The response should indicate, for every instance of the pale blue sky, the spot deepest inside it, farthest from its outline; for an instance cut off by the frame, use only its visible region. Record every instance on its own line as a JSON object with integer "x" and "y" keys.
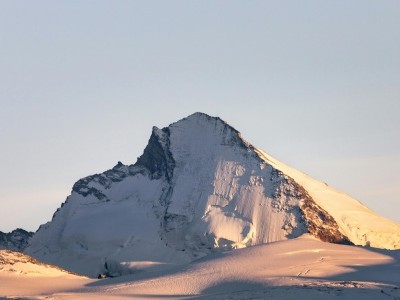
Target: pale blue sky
{"x": 314, "y": 83}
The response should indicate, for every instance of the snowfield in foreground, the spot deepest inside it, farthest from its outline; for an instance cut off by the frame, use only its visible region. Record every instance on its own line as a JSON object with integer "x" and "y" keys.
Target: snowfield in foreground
{"x": 301, "y": 268}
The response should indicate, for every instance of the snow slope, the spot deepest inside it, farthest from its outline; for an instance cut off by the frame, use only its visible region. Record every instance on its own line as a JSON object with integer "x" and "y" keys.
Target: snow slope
{"x": 356, "y": 221}
{"x": 198, "y": 188}
{"x": 24, "y": 276}
{"x": 300, "y": 268}
{"x": 22, "y": 264}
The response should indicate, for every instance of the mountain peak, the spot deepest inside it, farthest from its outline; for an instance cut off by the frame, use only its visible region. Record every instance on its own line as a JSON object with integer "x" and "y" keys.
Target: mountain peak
{"x": 203, "y": 128}
{"x": 200, "y": 119}
{"x": 196, "y": 134}
{"x": 201, "y": 116}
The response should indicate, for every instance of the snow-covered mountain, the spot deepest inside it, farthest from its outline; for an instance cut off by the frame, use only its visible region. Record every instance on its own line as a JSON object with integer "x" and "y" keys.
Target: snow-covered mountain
{"x": 199, "y": 187}
{"x": 16, "y": 240}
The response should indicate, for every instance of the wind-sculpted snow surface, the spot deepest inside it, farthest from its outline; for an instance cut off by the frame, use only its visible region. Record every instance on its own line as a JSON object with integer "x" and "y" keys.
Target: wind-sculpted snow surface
{"x": 198, "y": 188}
{"x": 299, "y": 269}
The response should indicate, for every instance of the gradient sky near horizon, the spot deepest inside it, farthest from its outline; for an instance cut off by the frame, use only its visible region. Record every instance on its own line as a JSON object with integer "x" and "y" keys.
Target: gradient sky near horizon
{"x": 314, "y": 83}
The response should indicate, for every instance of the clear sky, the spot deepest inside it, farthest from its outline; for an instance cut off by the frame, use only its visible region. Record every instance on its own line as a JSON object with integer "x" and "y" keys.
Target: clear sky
{"x": 314, "y": 83}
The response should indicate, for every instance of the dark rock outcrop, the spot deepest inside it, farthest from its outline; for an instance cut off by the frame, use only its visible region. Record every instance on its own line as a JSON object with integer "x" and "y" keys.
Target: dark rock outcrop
{"x": 16, "y": 240}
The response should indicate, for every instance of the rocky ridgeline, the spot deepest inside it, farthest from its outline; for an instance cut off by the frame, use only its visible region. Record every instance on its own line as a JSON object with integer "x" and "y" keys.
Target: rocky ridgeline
{"x": 16, "y": 240}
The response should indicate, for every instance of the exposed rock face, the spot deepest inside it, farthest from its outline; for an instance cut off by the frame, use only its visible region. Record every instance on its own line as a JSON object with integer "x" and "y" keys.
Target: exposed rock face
{"x": 157, "y": 158}
{"x": 16, "y": 240}
{"x": 317, "y": 221}
{"x": 197, "y": 188}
